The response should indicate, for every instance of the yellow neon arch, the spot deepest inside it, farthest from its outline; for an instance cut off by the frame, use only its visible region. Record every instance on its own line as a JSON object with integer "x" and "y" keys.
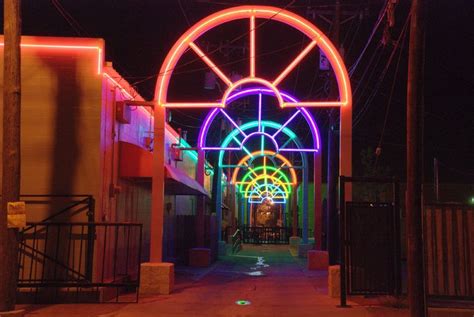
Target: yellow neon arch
{"x": 243, "y": 161}
{"x": 274, "y": 180}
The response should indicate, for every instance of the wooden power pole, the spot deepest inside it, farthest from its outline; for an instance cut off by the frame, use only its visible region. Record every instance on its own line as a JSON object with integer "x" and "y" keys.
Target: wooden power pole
{"x": 414, "y": 195}
{"x": 11, "y": 152}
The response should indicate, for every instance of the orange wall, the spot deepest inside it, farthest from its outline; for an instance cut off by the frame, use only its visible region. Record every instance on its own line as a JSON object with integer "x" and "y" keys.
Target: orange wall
{"x": 61, "y": 97}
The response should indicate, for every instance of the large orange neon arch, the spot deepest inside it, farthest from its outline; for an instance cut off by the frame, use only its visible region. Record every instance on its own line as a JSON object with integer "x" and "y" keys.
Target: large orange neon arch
{"x": 188, "y": 39}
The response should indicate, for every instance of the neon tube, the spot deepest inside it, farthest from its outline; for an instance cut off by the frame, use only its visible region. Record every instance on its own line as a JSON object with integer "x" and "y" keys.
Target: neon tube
{"x": 264, "y": 12}
{"x": 295, "y": 62}
{"x": 211, "y": 65}
{"x": 252, "y": 46}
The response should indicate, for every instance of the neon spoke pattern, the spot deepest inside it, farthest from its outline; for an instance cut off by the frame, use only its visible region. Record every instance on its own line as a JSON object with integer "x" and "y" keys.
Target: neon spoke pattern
{"x": 264, "y": 173}
{"x": 316, "y": 37}
{"x": 294, "y": 63}
{"x": 257, "y": 128}
{"x": 211, "y": 65}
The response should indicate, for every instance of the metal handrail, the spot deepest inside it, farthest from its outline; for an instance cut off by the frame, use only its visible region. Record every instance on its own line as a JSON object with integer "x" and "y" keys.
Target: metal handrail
{"x": 87, "y": 200}
{"x": 236, "y": 241}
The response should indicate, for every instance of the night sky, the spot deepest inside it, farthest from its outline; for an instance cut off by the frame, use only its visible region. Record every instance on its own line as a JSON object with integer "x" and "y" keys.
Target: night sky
{"x": 138, "y": 34}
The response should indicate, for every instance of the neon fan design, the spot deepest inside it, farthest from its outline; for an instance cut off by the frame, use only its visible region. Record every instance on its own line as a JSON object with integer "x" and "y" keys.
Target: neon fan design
{"x": 252, "y": 13}
{"x": 260, "y": 129}
{"x": 265, "y": 181}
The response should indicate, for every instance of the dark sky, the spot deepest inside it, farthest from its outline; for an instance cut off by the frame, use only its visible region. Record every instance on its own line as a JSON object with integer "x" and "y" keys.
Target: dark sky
{"x": 139, "y": 33}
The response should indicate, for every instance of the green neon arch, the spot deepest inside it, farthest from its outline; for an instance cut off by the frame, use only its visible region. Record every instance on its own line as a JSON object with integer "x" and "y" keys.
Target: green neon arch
{"x": 270, "y": 168}
{"x": 250, "y": 125}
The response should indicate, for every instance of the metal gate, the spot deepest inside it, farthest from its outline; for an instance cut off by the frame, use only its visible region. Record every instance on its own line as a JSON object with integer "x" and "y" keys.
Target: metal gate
{"x": 370, "y": 248}
{"x": 79, "y": 262}
{"x": 265, "y": 235}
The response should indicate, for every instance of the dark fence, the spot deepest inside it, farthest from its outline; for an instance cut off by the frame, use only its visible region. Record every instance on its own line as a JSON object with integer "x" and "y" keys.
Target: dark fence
{"x": 265, "y": 235}
{"x": 372, "y": 249}
{"x": 369, "y": 242}
{"x": 79, "y": 262}
{"x": 449, "y": 249}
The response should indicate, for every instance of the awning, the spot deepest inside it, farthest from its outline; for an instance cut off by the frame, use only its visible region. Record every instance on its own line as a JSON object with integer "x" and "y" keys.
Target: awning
{"x": 178, "y": 183}
{"x": 136, "y": 162}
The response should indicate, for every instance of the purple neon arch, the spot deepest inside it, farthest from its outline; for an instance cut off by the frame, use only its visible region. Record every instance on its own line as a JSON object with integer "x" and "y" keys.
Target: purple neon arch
{"x": 251, "y": 91}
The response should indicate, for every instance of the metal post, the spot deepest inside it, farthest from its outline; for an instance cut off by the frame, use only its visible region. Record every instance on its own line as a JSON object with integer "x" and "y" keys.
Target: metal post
{"x": 201, "y": 200}
{"x": 158, "y": 187}
{"x": 294, "y": 209}
{"x": 317, "y": 203}
{"x": 219, "y": 203}
{"x": 343, "y": 241}
{"x": 304, "y": 205}
{"x": 11, "y": 151}
{"x": 331, "y": 219}
{"x": 242, "y": 211}
{"x": 414, "y": 198}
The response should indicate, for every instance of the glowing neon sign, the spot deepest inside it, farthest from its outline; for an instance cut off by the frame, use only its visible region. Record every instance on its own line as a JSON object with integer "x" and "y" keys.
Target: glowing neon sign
{"x": 317, "y": 38}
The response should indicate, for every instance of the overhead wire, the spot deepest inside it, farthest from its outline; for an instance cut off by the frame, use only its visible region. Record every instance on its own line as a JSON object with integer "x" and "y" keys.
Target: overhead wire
{"x": 382, "y": 74}
{"x": 217, "y": 49}
{"x": 69, "y": 18}
{"x": 374, "y": 30}
{"x": 392, "y": 89}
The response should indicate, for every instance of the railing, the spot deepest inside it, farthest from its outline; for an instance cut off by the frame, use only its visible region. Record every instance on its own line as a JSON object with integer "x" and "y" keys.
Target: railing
{"x": 80, "y": 262}
{"x": 236, "y": 242}
{"x": 369, "y": 235}
{"x": 62, "y": 205}
{"x": 449, "y": 246}
{"x": 266, "y": 235}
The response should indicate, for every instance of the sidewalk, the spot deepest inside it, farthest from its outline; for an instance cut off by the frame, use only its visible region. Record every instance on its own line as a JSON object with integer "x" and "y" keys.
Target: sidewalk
{"x": 275, "y": 283}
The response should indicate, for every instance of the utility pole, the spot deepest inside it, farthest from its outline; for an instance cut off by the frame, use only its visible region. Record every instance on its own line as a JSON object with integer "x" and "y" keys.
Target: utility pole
{"x": 332, "y": 171}
{"x": 414, "y": 194}
{"x": 436, "y": 178}
{"x": 11, "y": 152}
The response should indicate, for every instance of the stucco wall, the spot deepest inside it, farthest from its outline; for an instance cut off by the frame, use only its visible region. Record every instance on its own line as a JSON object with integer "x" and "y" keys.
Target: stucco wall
{"x": 61, "y": 93}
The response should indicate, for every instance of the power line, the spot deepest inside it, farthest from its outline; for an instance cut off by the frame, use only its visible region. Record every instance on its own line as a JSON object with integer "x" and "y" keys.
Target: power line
{"x": 387, "y": 110}
{"x": 382, "y": 75}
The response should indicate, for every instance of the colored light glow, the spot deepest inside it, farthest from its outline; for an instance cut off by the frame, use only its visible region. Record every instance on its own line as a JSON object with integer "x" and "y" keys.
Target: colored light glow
{"x": 211, "y": 65}
{"x": 286, "y": 123}
{"x": 234, "y": 124}
{"x": 259, "y": 112}
{"x": 193, "y": 105}
{"x": 250, "y": 91}
{"x": 68, "y": 47}
{"x": 295, "y": 62}
{"x": 262, "y": 177}
{"x": 252, "y": 46}
{"x": 252, "y": 12}
{"x": 270, "y": 168}
{"x": 256, "y": 154}
{"x": 266, "y": 195}
{"x": 242, "y": 302}
{"x": 192, "y": 154}
{"x": 263, "y": 134}
{"x": 123, "y": 90}
{"x": 244, "y": 127}
{"x": 312, "y": 104}
{"x": 251, "y": 80}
